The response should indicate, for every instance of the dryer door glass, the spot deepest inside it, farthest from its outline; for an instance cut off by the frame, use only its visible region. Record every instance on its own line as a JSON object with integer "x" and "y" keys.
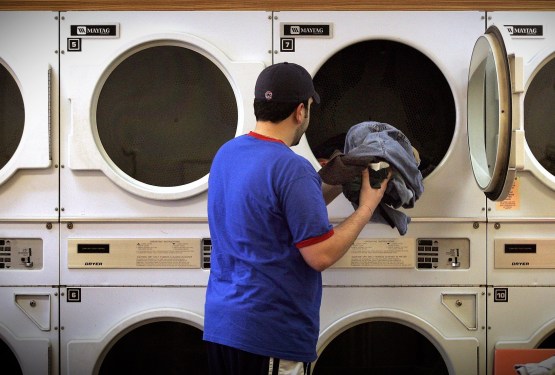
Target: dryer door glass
{"x": 380, "y": 348}
{"x": 389, "y": 82}
{"x": 162, "y": 114}
{"x": 12, "y": 116}
{"x": 164, "y": 347}
{"x": 539, "y": 115}
{"x": 489, "y": 114}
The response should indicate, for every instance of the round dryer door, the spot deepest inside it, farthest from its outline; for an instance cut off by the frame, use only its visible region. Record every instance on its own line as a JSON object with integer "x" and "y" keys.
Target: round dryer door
{"x": 161, "y": 347}
{"x": 12, "y": 117}
{"x": 162, "y": 114}
{"x": 380, "y": 347}
{"x": 154, "y": 117}
{"x": 490, "y": 115}
{"x": 389, "y": 82}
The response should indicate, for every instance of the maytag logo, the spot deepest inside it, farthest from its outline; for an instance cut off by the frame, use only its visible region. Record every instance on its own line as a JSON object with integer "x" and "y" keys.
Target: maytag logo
{"x": 95, "y": 31}
{"x": 525, "y": 30}
{"x": 307, "y": 30}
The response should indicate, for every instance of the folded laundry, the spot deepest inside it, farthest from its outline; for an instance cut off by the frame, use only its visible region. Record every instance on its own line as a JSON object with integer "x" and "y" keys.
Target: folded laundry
{"x": 371, "y": 142}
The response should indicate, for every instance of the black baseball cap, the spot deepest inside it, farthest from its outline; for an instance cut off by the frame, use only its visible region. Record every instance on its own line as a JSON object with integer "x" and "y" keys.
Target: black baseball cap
{"x": 285, "y": 82}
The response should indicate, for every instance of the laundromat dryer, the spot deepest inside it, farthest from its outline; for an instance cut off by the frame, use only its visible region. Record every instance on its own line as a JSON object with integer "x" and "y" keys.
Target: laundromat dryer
{"x": 511, "y": 121}
{"x": 29, "y": 121}
{"x": 147, "y": 98}
{"x": 133, "y": 298}
{"x": 29, "y": 231}
{"x": 412, "y": 303}
{"x": 29, "y": 207}
{"x": 138, "y": 330}
{"x": 406, "y": 69}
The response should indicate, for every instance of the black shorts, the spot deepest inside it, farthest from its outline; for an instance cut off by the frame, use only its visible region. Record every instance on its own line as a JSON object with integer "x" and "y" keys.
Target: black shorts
{"x": 224, "y": 360}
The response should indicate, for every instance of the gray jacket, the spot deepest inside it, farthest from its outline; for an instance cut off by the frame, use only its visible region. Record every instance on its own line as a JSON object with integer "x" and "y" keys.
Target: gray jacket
{"x": 370, "y": 142}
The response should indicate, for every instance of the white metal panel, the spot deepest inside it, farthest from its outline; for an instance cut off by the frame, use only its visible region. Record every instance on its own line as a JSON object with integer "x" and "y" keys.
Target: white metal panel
{"x": 447, "y": 38}
{"x": 29, "y": 51}
{"x": 35, "y": 347}
{"x": 92, "y": 187}
{"x": 532, "y": 194}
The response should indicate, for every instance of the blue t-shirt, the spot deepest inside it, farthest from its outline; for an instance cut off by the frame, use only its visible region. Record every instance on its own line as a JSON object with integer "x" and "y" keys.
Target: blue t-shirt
{"x": 264, "y": 202}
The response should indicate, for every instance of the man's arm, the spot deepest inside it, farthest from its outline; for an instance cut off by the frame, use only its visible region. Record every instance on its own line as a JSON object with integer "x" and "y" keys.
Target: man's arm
{"x": 324, "y": 254}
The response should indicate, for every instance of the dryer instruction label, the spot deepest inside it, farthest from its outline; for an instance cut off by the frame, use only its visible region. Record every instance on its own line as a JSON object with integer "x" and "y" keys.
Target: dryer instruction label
{"x": 379, "y": 253}
{"x": 512, "y": 202}
{"x": 132, "y": 253}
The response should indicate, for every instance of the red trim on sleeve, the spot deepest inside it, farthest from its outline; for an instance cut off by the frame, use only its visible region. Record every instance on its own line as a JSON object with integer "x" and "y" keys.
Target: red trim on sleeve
{"x": 315, "y": 240}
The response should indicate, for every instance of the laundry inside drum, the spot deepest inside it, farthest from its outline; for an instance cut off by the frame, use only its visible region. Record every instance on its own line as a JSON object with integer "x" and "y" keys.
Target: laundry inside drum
{"x": 389, "y": 82}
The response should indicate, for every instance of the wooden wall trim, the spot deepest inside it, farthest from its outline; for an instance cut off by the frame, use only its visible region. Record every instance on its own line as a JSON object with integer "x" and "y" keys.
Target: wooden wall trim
{"x": 276, "y": 5}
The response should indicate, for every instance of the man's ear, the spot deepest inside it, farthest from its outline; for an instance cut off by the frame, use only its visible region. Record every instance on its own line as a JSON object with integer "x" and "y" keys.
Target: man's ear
{"x": 300, "y": 113}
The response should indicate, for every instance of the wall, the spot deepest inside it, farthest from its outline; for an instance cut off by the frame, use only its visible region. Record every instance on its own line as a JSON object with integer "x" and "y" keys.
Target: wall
{"x": 275, "y": 5}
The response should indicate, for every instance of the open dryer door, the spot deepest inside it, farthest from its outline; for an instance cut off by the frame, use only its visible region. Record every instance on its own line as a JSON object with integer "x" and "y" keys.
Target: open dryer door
{"x": 495, "y": 134}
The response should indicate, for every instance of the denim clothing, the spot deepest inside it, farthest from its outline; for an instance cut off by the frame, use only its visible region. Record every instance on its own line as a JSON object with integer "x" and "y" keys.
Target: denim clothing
{"x": 369, "y": 142}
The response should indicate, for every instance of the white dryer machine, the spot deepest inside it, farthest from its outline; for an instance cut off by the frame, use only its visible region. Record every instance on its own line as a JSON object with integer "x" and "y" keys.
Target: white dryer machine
{"x": 28, "y": 116}
{"x": 402, "y": 330}
{"x": 510, "y": 122}
{"x": 510, "y": 126}
{"x": 407, "y": 69}
{"x": 521, "y": 285}
{"x": 511, "y": 119}
{"x": 29, "y": 330}
{"x": 147, "y": 98}
{"x": 133, "y": 297}
{"x": 132, "y": 330}
{"x": 520, "y": 317}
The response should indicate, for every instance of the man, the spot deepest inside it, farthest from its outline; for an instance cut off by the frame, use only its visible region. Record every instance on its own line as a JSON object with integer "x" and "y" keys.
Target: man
{"x": 271, "y": 236}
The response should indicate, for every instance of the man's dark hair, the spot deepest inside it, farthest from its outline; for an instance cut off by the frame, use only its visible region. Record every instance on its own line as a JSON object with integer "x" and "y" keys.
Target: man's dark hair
{"x": 274, "y": 111}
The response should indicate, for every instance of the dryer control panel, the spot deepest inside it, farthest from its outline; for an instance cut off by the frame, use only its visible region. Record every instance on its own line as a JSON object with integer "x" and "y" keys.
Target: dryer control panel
{"x": 134, "y": 253}
{"x": 524, "y": 253}
{"x": 443, "y": 253}
{"x": 408, "y": 253}
{"x": 21, "y": 253}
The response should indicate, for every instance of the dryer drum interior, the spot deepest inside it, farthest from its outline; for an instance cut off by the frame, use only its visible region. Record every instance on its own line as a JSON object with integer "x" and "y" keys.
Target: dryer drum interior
{"x": 539, "y": 116}
{"x": 380, "y": 348}
{"x": 12, "y": 116}
{"x": 548, "y": 342}
{"x": 162, "y": 114}
{"x": 384, "y": 81}
{"x": 164, "y": 347}
{"x": 9, "y": 362}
